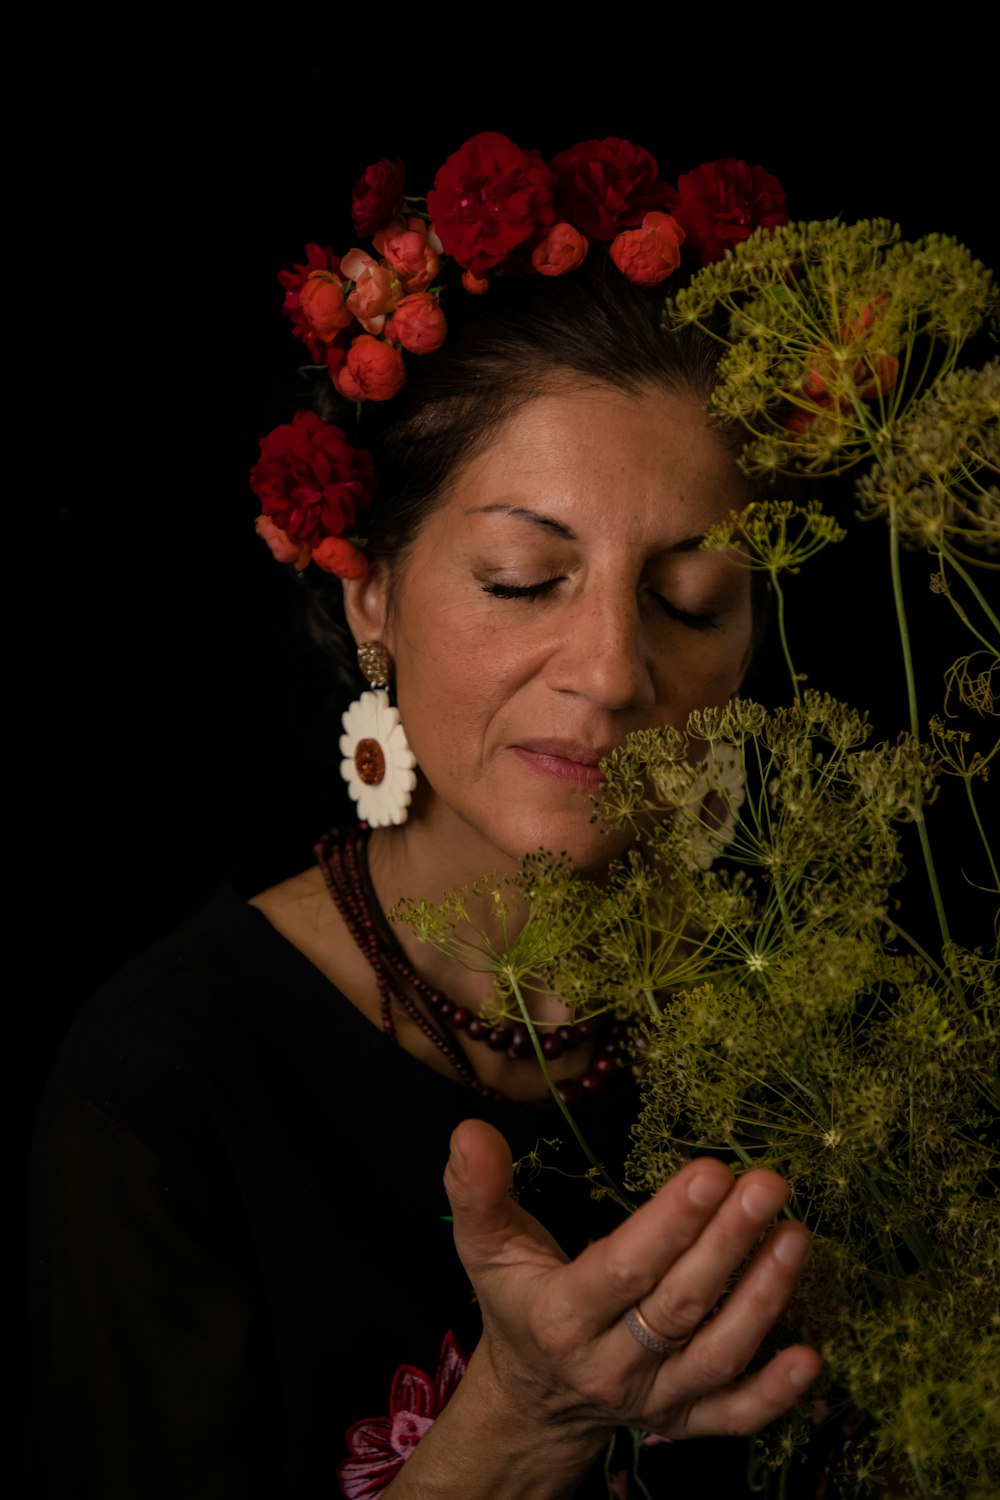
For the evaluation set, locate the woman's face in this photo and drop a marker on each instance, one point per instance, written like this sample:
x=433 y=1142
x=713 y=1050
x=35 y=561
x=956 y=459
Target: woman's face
x=555 y=601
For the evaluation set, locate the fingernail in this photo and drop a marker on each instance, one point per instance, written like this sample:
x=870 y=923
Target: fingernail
x=800 y=1378
x=758 y=1200
x=791 y=1250
x=707 y=1190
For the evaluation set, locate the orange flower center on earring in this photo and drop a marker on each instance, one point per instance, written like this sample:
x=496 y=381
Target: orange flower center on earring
x=370 y=762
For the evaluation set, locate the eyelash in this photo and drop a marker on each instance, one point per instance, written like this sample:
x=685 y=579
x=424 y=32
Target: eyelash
x=532 y=591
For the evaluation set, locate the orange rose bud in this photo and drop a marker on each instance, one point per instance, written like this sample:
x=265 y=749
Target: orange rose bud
x=282 y=546
x=649 y=255
x=372 y=371
x=418 y=324
x=876 y=375
x=410 y=253
x=477 y=285
x=322 y=303
x=335 y=554
x=563 y=249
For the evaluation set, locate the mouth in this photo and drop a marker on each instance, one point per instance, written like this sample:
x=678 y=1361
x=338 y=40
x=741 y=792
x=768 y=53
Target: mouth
x=568 y=761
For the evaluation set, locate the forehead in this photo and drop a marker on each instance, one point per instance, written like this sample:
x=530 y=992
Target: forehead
x=605 y=457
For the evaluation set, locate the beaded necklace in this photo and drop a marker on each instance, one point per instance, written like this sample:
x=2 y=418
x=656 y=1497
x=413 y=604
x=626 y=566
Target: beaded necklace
x=343 y=861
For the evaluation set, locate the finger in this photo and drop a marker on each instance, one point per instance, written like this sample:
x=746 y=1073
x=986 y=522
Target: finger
x=477 y=1180
x=699 y=1277
x=753 y=1403
x=618 y=1271
x=724 y=1346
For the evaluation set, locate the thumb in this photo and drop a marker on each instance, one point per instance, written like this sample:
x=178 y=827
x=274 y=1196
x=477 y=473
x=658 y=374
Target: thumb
x=477 y=1180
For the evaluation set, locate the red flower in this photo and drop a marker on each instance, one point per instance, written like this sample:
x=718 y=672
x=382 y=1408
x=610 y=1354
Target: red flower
x=335 y=554
x=488 y=198
x=309 y=480
x=372 y=371
x=377 y=196
x=418 y=324
x=723 y=202
x=563 y=249
x=605 y=186
x=282 y=548
x=317 y=259
x=381 y=1445
x=322 y=304
x=650 y=254
x=411 y=252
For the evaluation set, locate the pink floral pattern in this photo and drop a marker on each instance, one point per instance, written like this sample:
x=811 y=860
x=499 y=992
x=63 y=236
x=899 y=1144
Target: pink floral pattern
x=381 y=1445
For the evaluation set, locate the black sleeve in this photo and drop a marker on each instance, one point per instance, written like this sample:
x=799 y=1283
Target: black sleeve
x=159 y=1375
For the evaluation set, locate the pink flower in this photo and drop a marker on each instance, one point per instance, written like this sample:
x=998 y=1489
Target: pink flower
x=650 y=254
x=418 y=324
x=282 y=546
x=477 y=285
x=372 y=371
x=563 y=249
x=322 y=302
x=381 y=1445
x=377 y=289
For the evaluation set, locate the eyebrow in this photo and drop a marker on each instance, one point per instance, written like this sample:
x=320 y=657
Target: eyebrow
x=549 y=523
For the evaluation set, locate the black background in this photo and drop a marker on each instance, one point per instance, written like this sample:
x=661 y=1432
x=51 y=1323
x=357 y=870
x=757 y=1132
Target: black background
x=167 y=727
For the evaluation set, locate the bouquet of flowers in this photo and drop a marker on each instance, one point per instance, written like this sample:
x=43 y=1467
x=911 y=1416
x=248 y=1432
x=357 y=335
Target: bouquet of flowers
x=788 y=1012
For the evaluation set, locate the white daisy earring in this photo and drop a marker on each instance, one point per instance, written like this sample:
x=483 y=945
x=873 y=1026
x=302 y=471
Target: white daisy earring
x=711 y=811
x=378 y=764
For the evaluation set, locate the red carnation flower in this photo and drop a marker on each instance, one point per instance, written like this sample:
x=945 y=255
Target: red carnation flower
x=309 y=480
x=723 y=202
x=651 y=253
x=488 y=198
x=605 y=186
x=317 y=259
x=377 y=196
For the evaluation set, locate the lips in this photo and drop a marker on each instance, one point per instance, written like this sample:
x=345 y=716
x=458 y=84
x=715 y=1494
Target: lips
x=569 y=761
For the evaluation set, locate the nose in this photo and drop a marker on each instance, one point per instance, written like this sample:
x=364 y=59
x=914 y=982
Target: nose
x=602 y=653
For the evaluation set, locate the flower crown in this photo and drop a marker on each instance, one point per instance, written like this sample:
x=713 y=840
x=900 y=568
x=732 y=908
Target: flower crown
x=494 y=210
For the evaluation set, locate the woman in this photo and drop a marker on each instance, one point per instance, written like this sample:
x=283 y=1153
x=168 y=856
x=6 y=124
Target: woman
x=250 y=1277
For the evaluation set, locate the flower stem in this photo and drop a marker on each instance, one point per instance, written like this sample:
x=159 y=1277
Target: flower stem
x=982 y=832
x=911 y=694
x=602 y=1172
x=782 y=634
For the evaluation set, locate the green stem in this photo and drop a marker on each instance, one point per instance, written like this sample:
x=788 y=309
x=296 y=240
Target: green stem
x=609 y=1182
x=974 y=591
x=911 y=694
x=982 y=831
x=779 y=595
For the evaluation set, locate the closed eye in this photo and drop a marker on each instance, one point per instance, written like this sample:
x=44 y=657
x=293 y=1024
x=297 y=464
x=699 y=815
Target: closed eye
x=521 y=590
x=691 y=618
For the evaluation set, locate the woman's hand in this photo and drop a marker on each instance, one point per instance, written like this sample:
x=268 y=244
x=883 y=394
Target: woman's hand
x=556 y=1349
x=557 y=1366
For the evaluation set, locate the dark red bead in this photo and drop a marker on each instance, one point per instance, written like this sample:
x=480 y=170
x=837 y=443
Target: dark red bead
x=499 y=1039
x=569 y=1036
x=586 y=1028
x=520 y=1043
x=604 y=1065
x=569 y=1091
x=476 y=1029
x=592 y=1082
x=460 y=1018
x=552 y=1045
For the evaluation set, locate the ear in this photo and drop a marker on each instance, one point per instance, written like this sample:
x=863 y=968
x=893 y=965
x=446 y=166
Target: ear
x=366 y=604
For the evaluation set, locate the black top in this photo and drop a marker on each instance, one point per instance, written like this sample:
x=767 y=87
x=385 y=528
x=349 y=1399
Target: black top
x=240 y=1235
